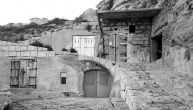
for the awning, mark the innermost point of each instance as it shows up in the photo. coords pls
(124, 14)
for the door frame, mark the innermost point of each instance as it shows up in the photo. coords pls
(154, 46)
(16, 72)
(112, 47)
(82, 38)
(111, 79)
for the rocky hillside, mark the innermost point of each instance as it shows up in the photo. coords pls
(128, 4)
(88, 15)
(14, 33)
(37, 28)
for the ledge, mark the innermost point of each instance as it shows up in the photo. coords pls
(124, 14)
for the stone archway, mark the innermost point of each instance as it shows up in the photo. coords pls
(104, 63)
(100, 64)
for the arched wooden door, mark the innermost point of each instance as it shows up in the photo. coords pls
(97, 83)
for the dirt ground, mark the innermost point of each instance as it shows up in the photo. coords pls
(28, 99)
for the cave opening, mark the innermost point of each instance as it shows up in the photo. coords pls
(156, 47)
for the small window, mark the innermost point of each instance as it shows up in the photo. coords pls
(63, 78)
(131, 29)
(115, 29)
(103, 80)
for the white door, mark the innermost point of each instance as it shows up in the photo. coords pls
(77, 43)
(84, 44)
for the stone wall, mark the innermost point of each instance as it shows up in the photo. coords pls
(152, 87)
(21, 50)
(48, 73)
(94, 26)
(136, 44)
(73, 65)
(175, 24)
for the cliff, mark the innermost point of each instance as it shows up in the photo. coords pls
(128, 4)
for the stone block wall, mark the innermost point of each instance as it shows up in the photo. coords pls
(136, 43)
(27, 53)
(21, 50)
(90, 26)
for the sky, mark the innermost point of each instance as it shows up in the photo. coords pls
(16, 11)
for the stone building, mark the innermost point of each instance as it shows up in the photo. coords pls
(132, 33)
(25, 66)
(163, 39)
(146, 56)
(126, 34)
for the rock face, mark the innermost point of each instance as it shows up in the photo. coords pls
(175, 23)
(128, 4)
(38, 20)
(88, 15)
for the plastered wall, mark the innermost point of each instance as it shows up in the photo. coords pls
(63, 38)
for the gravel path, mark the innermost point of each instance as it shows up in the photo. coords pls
(28, 99)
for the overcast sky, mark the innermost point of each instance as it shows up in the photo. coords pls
(15, 11)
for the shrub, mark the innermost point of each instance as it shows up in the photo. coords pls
(57, 21)
(79, 19)
(64, 49)
(21, 38)
(88, 27)
(31, 25)
(72, 50)
(37, 43)
(48, 47)
(40, 44)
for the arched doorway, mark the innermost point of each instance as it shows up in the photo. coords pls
(97, 83)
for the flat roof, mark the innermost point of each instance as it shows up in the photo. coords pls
(133, 13)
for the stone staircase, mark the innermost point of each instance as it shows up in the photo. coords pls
(154, 87)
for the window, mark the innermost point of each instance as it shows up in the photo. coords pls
(90, 78)
(131, 29)
(63, 77)
(63, 80)
(115, 29)
(103, 79)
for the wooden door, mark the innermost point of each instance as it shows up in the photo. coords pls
(89, 43)
(77, 44)
(97, 83)
(116, 47)
(84, 45)
(23, 73)
(14, 76)
(90, 83)
(104, 84)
